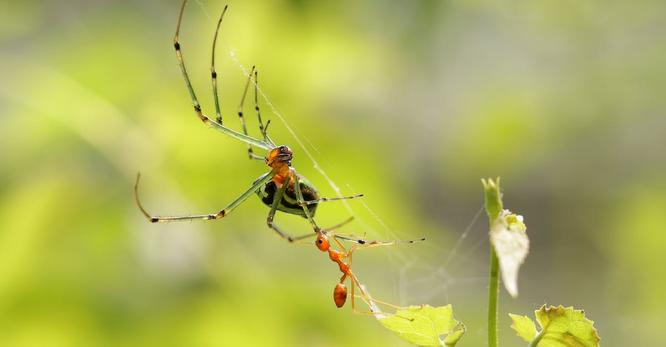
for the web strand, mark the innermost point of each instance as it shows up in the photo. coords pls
(461, 238)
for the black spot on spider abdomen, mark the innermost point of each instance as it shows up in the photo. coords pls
(267, 193)
(289, 203)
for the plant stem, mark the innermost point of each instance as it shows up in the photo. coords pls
(493, 298)
(536, 340)
(493, 204)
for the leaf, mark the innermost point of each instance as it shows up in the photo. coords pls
(507, 235)
(564, 325)
(425, 325)
(560, 327)
(452, 338)
(524, 327)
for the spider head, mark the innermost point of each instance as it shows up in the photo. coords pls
(281, 154)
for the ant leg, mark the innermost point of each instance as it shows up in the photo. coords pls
(339, 225)
(367, 297)
(213, 73)
(353, 293)
(364, 296)
(219, 215)
(250, 152)
(373, 243)
(355, 282)
(310, 202)
(195, 102)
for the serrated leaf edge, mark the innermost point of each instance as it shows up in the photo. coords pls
(546, 308)
(515, 328)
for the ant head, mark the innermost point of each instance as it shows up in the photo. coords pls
(281, 154)
(322, 242)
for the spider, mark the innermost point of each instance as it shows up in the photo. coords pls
(281, 189)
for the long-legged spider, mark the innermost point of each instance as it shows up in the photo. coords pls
(281, 189)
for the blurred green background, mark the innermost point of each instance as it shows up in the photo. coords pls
(409, 102)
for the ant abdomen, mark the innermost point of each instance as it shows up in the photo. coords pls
(340, 294)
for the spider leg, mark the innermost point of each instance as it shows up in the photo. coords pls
(301, 201)
(213, 73)
(263, 129)
(271, 215)
(311, 202)
(219, 215)
(195, 102)
(339, 225)
(250, 152)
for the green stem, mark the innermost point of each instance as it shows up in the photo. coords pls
(536, 340)
(493, 204)
(493, 298)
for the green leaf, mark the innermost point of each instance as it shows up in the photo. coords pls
(560, 327)
(524, 327)
(452, 338)
(425, 325)
(567, 326)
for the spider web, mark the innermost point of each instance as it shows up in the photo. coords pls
(414, 272)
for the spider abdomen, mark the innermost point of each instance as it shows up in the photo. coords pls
(289, 203)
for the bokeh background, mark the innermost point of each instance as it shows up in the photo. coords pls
(409, 102)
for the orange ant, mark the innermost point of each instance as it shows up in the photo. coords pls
(338, 257)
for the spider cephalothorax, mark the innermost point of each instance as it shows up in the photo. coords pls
(279, 155)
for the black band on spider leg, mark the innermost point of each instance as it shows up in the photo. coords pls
(176, 45)
(213, 74)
